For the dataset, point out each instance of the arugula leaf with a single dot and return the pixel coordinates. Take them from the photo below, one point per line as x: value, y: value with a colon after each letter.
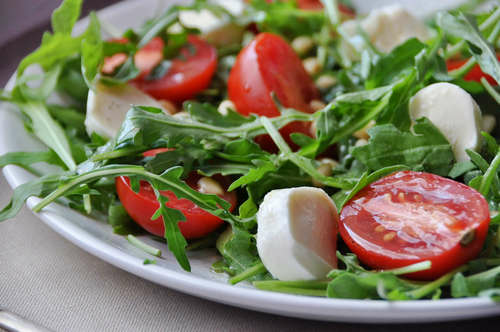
x: 464, y: 26
x: 148, y: 126
x: 48, y: 131
x: 26, y: 159
x: 239, y: 250
x: 121, y: 222
x: 471, y: 285
x: 65, y: 16
x: 92, y: 51
x: 427, y: 150
x: 38, y: 187
x: 175, y: 240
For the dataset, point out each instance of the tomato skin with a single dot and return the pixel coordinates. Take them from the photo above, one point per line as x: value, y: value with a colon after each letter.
x: 188, y: 74
x: 142, y: 205
x: 409, y: 217
x: 475, y: 74
x: 268, y: 64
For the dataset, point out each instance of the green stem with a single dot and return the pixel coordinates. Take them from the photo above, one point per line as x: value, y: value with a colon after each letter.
x: 433, y: 285
x: 115, y: 154
x: 300, y: 161
x: 490, y: 89
x: 463, y: 70
x: 305, y: 284
x: 489, y: 175
x: 421, y: 266
x: 248, y: 273
x: 292, y: 290
x: 143, y: 246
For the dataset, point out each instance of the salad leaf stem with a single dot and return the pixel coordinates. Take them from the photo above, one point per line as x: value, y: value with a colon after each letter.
x: 489, y: 175
x: 433, y: 285
x: 490, y: 89
x: 248, y: 273
x: 143, y: 246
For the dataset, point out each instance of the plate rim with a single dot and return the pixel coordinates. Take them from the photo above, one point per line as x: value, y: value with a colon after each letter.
x: 340, y: 310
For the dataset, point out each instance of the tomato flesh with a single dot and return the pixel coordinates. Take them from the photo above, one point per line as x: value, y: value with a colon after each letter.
x: 409, y: 217
x: 475, y: 74
x: 188, y: 74
x: 142, y: 205
x: 268, y: 64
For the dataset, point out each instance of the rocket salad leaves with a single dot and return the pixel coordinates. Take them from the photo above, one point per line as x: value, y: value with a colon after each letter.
x: 376, y: 89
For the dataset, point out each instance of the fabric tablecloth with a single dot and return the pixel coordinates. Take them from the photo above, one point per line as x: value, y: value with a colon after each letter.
x: 49, y: 280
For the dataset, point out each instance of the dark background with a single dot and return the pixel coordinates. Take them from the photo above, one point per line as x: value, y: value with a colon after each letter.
x: 22, y: 23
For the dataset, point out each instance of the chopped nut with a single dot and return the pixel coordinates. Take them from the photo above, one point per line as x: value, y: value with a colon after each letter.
x: 302, y: 44
x: 312, y: 65
x: 208, y: 185
x: 363, y: 132
x: 326, y: 167
x: 360, y: 142
x: 168, y: 106
x: 326, y: 81
x: 316, y: 104
x: 225, y: 106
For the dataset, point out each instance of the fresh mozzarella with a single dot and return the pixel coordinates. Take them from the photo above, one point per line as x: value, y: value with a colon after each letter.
x: 215, y: 29
x: 386, y: 28
x: 108, y: 105
x: 297, y: 233
x: 454, y: 112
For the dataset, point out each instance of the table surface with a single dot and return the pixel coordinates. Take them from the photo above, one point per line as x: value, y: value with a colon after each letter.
x: 49, y: 280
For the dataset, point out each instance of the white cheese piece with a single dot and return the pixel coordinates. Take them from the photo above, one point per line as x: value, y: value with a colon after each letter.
x: 108, y: 105
x: 217, y: 30
x: 454, y: 112
x: 297, y: 233
x: 386, y: 28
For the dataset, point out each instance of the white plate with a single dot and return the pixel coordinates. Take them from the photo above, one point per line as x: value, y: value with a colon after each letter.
x: 97, y: 238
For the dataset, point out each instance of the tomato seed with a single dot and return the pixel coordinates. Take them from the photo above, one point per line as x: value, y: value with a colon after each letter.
x: 389, y: 236
x: 379, y: 229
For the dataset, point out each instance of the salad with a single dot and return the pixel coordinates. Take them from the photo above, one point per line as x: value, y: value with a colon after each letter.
x: 319, y: 152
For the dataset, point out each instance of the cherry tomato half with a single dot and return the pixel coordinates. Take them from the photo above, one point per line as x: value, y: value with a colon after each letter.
x: 317, y: 5
x: 475, y: 74
x: 142, y: 205
x: 409, y: 217
x: 188, y: 74
x: 268, y: 64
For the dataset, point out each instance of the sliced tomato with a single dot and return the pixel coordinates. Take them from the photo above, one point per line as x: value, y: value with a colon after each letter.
x: 317, y: 5
x: 188, y: 74
x: 475, y: 74
x: 409, y: 217
x: 142, y: 205
x: 268, y: 64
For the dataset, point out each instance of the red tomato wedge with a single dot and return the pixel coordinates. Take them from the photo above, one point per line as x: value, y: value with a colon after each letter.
x: 142, y: 205
x: 317, y: 5
x: 268, y: 64
x: 475, y: 74
x: 189, y: 73
x: 409, y: 217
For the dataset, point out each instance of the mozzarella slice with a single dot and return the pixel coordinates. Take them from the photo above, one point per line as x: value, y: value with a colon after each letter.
x: 108, y: 105
x: 386, y: 28
x: 217, y: 30
x: 297, y: 233
x: 454, y: 112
